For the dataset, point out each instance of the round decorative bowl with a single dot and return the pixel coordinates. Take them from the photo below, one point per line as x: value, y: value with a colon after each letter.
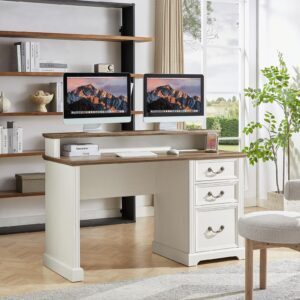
x: 41, y: 99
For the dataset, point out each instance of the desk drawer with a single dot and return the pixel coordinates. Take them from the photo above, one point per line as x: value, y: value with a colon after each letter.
x: 215, y: 194
x: 216, y: 229
x: 215, y: 170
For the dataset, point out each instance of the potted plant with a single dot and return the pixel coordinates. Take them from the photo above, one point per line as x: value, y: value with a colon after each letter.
x: 279, y: 94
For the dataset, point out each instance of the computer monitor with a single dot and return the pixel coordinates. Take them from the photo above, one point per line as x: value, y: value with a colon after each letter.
x: 173, y: 97
x: 96, y: 98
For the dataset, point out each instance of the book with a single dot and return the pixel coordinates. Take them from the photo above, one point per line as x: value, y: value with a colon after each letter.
x: 18, y: 140
x: 80, y: 153
x: 17, y: 57
x: 34, y: 56
x: 10, y: 136
x: 80, y: 147
x: 53, y: 65
x: 4, y: 141
x: 25, y: 56
x: 59, y: 70
x: 57, y: 103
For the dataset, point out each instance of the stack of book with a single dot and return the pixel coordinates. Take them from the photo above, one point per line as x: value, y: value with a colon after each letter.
x: 11, y: 139
x: 28, y: 59
x: 72, y: 150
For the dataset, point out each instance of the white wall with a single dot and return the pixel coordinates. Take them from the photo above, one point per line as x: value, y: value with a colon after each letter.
x: 80, y: 56
x: 279, y: 25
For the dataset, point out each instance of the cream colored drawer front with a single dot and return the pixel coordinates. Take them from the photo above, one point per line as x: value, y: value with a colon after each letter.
x: 215, y: 170
x: 215, y: 219
x: 215, y: 194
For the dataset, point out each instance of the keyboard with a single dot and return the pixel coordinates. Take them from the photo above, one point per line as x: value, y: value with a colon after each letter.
x: 132, y: 154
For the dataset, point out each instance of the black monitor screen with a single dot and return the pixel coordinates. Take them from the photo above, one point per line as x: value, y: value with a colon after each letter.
x: 96, y: 95
x: 173, y: 95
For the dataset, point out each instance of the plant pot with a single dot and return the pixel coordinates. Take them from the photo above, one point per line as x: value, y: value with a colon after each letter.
x: 274, y: 201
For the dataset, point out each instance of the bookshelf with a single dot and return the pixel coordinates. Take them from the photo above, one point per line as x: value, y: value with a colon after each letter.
x: 127, y: 40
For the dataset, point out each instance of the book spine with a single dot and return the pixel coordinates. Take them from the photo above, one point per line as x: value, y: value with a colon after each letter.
x: 85, y: 148
x: 76, y: 153
x: 37, y: 56
x: 10, y: 139
x: 27, y: 56
x: 19, y: 141
x: 32, y: 46
x: 60, y: 70
x: 17, y: 59
x: 4, y: 141
x: 23, y: 57
x: 53, y: 65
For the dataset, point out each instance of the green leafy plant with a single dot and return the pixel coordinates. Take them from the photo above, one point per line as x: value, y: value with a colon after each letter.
x: 277, y: 92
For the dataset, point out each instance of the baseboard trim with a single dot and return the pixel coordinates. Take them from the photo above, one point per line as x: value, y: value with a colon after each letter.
x: 72, y: 274
x: 194, y: 258
x: 83, y: 223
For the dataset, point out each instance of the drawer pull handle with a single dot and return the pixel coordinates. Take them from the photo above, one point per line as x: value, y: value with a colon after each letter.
x: 210, y: 194
x: 222, y: 227
x: 221, y: 170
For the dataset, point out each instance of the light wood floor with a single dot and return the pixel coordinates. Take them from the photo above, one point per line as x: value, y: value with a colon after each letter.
x: 108, y: 253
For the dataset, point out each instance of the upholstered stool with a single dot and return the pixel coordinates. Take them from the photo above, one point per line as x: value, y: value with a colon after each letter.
x: 264, y: 230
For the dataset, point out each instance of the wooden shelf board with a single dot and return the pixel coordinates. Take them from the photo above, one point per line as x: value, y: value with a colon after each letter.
x: 25, y: 153
x: 66, y: 135
x: 73, y: 36
x: 15, y: 194
x: 113, y: 159
x: 28, y: 114
x: 50, y: 74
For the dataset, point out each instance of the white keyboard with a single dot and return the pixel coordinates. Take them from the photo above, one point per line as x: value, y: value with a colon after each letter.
x: 132, y: 154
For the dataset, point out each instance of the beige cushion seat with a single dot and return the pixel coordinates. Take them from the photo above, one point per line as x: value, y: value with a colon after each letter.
x: 282, y: 227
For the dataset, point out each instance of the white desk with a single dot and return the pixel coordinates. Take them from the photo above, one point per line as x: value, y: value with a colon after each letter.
x: 190, y: 199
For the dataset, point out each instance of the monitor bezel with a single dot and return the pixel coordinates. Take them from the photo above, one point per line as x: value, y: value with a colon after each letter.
x: 183, y: 114
x: 97, y: 116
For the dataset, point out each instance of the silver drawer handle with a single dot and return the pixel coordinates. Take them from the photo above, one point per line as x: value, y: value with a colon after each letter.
x: 221, y: 170
x: 210, y: 194
x: 222, y: 227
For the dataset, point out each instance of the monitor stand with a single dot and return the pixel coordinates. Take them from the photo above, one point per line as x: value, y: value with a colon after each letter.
x: 93, y: 128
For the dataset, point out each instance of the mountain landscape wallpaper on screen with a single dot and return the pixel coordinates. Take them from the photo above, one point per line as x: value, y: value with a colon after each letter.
x: 174, y: 94
x: 97, y: 95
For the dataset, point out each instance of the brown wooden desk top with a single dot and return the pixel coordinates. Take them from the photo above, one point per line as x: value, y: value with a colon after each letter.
x: 113, y: 159
x: 66, y: 135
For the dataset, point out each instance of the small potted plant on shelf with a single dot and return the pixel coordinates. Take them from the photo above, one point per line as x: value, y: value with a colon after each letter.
x: 281, y: 95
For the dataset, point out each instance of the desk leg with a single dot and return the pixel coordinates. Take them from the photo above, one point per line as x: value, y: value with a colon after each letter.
x: 63, y: 220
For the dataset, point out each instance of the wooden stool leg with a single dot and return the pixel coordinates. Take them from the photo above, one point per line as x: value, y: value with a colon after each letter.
x: 249, y: 270
x: 263, y: 269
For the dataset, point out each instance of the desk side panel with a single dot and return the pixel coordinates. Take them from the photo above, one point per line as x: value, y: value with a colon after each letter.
x: 62, y: 253
x: 171, y: 204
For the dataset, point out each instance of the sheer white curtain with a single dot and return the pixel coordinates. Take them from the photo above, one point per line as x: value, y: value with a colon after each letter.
x: 168, y: 37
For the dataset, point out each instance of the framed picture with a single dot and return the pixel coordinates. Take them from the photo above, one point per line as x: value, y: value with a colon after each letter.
x: 212, y: 142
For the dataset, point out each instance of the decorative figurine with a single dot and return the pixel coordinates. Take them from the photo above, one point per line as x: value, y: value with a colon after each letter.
x: 4, y: 103
x: 41, y: 99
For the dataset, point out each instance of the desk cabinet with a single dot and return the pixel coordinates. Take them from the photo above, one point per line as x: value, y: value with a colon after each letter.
x: 199, y: 221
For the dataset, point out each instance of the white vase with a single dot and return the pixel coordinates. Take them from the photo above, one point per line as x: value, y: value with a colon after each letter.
x: 4, y: 103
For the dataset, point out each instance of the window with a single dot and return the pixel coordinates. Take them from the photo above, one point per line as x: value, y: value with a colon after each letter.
x: 214, y: 46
